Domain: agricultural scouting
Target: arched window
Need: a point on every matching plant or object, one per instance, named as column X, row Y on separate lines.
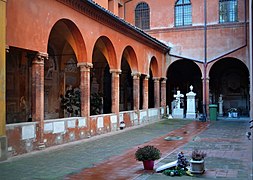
column 228, row 11
column 183, row 13
column 142, row 15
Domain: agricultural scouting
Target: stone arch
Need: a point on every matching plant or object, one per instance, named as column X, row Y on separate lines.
column 66, row 48
column 153, row 73
column 129, row 66
column 71, row 33
column 105, row 46
column 181, row 74
column 103, row 60
column 130, row 55
column 154, row 67
column 229, row 77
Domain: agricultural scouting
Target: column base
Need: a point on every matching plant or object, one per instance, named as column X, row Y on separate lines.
column 3, row 148
column 190, row 115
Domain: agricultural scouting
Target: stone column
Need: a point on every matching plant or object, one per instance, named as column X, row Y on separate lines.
column 157, row 92
column 85, row 88
column 145, row 92
column 3, row 139
column 38, row 94
column 136, row 90
column 206, row 100
column 163, row 92
column 115, row 90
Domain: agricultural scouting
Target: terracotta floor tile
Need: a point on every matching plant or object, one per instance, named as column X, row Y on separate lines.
column 126, row 167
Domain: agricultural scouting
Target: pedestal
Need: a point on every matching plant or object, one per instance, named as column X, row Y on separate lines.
column 178, row 113
column 190, row 115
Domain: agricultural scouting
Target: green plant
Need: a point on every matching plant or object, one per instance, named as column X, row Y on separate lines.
column 95, row 103
column 71, row 101
column 147, row 153
column 198, row 155
column 232, row 110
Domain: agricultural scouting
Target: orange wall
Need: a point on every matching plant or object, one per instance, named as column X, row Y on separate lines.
column 103, row 3
column 162, row 12
column 188, row 41
column 29, row 28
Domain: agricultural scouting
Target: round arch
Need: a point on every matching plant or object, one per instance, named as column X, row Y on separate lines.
column 229, row 82
column 65, row 49
column 72, row 35
column 154, row 67
column 130, row 55
column 153, row 72
column 106, row 48
column 181, row 74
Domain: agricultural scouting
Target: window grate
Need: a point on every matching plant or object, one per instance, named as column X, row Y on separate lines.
column 228, row 11
column 142, row 17
column 183, row 13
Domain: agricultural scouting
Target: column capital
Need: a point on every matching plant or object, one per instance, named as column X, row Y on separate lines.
column 85, row 66
column 116, row 71
column 156, row 78
column 207, row 78
column 136, row 75
column 39, row 58
column 146, row 76
column 164, row 78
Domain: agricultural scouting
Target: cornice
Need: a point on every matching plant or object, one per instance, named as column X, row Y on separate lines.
column 104, row 16
column 199, row 27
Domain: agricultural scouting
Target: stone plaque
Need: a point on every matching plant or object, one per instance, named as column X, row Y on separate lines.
column 71, row 123
column 28, row 132
column 48, row 127
column 143, row 114
column 121, row 117
column 100, row 122
column 59, row 127
column 81, row 122
column 113, row 119
column 152, row 112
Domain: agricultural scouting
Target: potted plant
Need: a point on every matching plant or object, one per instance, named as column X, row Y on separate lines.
column 96, row 103
column 148, row 154
column 232, row 112
column 197, row 161
column 71, row 101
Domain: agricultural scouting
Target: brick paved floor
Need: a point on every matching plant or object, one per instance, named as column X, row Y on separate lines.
column 229, row 153
column 60, row 161
column 126, row 167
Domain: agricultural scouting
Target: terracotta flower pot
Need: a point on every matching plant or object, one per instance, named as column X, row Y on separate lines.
column 148, row 165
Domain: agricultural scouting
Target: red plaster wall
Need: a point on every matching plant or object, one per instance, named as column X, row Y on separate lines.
column 30, row 26
column 188, row 42
column 103, row 3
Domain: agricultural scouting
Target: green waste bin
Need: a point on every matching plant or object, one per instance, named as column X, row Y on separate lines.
column 213, row 112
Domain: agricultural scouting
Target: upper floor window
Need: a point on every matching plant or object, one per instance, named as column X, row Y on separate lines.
column 183, row 13
column 142, row 15
column 228, row 11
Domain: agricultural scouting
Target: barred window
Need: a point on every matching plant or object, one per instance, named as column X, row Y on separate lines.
column 228, row 11
column 183, row 13
column 142, row 15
